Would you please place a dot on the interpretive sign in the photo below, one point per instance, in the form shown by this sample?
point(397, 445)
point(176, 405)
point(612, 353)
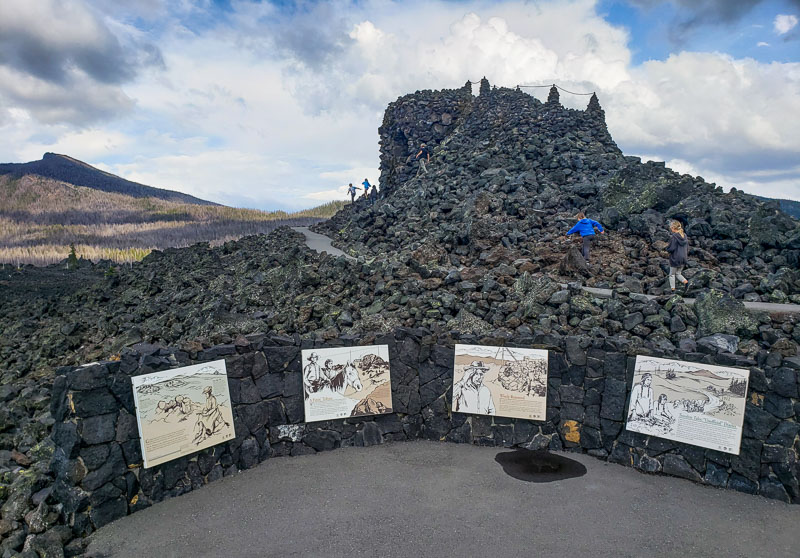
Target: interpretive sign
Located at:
point(500, 381)
point(689, 402)
point(346, 382)
point(182, 411)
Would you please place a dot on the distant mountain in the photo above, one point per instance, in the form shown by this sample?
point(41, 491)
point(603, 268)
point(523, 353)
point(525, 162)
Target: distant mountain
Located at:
point(706, 374)
point(69, 170)
point(792, 207)
point(41, 217)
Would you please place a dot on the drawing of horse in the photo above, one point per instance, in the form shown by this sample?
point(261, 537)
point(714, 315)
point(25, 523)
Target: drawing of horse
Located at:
point(343, 376)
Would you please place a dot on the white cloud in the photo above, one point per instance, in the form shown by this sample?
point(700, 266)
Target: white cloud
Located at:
point(762, 44)
point(235, 119)
point(339, 193)
point(226, 176)
point(85, 145)
point(65, 63)
point(784, 23)
point(82, 102)
point(724, 116)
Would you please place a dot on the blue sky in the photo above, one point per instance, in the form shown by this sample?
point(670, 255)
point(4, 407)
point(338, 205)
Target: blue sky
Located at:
point(277, 104)
point(664, 27)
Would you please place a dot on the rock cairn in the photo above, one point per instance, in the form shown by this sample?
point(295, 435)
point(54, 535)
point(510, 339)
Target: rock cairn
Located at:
point(509, 173)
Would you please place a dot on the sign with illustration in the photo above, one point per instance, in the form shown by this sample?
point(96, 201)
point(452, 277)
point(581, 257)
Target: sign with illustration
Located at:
point(500, 381)
point(182, 411)
point(346, 382)
point(689, 402)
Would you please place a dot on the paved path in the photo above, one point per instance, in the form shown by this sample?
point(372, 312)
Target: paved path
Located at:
point(438, 499)
point(320, 243)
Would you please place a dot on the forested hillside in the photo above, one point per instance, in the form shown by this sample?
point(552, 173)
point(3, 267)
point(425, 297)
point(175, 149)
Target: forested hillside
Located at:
point(69, 170)
point(40, 218)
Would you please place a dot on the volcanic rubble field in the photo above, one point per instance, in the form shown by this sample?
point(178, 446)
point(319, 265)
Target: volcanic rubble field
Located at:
point(476, 246)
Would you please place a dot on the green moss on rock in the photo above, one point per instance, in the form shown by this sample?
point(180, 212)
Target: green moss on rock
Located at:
point(719, 313)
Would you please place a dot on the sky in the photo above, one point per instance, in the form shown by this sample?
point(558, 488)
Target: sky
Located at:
point(276, 105)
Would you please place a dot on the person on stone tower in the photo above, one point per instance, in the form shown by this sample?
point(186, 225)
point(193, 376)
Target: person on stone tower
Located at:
point(586, 228)
point(424, 157)
point(352, 191)
point(367, 186)
point(678, 254)
point(373, 195)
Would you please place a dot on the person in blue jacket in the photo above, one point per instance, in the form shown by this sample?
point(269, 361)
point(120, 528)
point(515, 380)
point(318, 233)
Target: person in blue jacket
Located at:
point(586, 228)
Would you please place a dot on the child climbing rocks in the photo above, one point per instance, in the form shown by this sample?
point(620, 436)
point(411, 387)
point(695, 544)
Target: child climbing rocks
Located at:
point(586, 228)
point(678, 253)
point(424, 157)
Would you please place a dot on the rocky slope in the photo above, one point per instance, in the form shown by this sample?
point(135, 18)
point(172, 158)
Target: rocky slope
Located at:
point(508, 175)
point(475, 246)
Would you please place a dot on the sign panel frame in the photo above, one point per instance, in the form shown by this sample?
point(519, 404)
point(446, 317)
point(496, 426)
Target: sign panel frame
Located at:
point(346, 382)
point(500, 381)
point(689, 402)
point(182, 411)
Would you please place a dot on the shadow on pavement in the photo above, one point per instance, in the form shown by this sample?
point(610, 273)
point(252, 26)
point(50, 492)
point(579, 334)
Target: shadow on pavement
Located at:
point(539, 466)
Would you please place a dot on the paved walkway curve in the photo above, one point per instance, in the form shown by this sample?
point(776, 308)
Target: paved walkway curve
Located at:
point(441, 499)
point(322, 243)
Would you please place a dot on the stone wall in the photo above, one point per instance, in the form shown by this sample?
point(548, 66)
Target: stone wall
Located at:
point(98, 463)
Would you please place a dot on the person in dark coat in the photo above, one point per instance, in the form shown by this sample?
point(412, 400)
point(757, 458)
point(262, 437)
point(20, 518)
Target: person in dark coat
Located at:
point(424, 157)
point(678, 253)
point(586, 229)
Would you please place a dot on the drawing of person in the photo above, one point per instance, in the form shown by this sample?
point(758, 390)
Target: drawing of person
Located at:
point(209, 418)
point(312, 374)
point(661, 407)
point(469, 393)
point(328, 371)
point(642, 398)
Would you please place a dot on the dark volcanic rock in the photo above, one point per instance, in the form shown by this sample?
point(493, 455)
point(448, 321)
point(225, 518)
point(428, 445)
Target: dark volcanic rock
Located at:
point(718, 313)
point(470, 251)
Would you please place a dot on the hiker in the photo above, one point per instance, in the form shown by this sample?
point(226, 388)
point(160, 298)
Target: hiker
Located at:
point(352, 191)
point(424, 156)
point(373, 196)
point(586, 228)
point(367, 186)
point(678, 254)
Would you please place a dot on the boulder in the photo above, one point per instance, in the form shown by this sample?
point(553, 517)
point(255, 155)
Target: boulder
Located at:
point(720, 313)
